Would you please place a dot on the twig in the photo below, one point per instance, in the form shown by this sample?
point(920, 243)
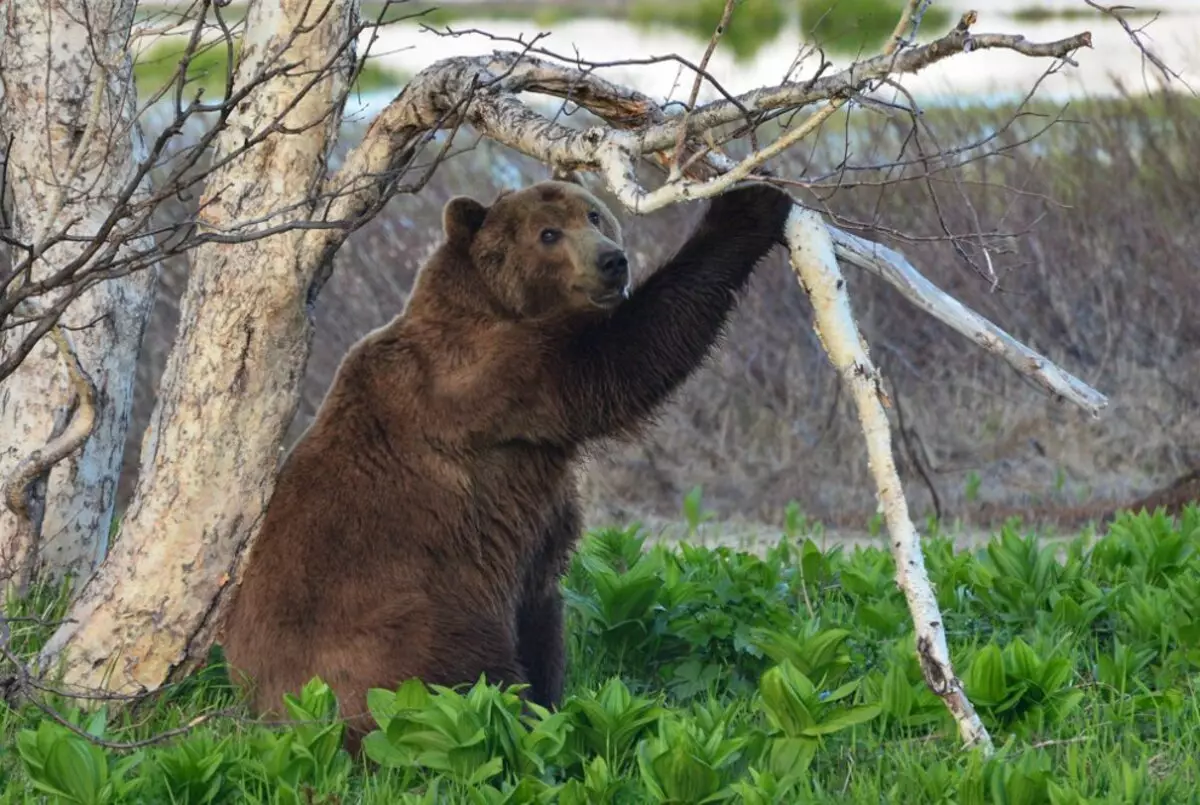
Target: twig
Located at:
point(708, 52)
point(916, 452)
point(1115, 13)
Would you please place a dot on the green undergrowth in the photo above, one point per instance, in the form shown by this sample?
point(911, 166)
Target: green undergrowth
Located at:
point(718, 676)
point(157, 68)
point(864, 25)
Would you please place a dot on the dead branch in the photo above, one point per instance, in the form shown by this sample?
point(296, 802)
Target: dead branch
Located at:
point(894, 268)
point(816, 268)
point(1134, 35)
point(726, 13)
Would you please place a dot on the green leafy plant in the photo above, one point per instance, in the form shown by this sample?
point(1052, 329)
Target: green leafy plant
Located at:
point(705, 674)
point(685, 762)
point(66, 767)
point(799, 714)
point(1019, 689)
point(472, 737)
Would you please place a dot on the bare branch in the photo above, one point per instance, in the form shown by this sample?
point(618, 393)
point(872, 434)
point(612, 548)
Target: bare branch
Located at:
point(852, 79)
point(893, 268)
point(726, 13)
point(1134, 36)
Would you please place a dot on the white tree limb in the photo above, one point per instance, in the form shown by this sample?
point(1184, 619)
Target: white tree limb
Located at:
point(850, 80)
point(812, 255)
point(892, 267)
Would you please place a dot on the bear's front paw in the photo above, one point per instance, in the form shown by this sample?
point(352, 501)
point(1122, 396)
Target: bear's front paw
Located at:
point(756, 206)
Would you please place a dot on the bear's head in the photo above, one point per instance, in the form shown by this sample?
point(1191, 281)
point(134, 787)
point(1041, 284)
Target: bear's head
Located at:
point(547, 249)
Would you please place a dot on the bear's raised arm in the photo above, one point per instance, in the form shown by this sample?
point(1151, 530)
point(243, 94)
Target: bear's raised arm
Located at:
point(618, 371)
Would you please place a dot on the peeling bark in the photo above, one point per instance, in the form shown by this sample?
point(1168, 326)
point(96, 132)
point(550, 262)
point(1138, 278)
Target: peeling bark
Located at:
point(231, 383)
point(69, 108)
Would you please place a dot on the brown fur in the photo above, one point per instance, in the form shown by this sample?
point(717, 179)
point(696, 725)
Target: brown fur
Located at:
point(422, 524)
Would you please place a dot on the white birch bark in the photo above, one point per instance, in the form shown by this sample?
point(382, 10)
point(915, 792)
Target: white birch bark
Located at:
point(68, 106)
point(815, 264)
point(231, 383)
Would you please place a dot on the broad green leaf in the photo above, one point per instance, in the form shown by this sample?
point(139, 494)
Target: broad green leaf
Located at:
point(70, 767)
point(986, 681)
point(845, 718)
point(791, 757)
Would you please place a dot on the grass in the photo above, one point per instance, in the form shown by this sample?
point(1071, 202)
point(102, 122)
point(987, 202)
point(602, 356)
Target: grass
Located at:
point(1045, 13)
point(711, 675)
point(851, 26)
point(208, 67)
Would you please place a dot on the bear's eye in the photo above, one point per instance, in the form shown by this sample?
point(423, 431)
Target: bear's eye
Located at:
point(594, 217)
point(550, 235)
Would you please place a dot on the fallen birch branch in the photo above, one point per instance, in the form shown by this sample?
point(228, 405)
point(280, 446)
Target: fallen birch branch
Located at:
point(894, 269)
point(811, 249)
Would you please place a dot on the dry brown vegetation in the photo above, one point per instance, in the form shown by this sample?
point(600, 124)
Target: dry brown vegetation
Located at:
point(1105, 284)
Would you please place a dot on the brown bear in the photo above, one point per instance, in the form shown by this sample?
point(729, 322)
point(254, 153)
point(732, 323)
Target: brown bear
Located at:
point(421, 525)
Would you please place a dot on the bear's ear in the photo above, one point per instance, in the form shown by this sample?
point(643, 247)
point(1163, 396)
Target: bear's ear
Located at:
point(562, 175)
point(462, 217)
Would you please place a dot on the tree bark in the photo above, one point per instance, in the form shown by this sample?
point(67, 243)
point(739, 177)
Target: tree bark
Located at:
point(68, 111)
point(231, 383)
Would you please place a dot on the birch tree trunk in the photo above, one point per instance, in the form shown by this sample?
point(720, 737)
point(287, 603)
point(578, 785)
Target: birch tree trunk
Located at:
point(231, 383)
point(68, 111)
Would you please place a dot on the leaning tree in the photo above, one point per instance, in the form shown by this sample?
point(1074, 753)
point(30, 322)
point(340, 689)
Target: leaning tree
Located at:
point(86, 226)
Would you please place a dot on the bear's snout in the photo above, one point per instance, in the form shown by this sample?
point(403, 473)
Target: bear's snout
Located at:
point(613, 267)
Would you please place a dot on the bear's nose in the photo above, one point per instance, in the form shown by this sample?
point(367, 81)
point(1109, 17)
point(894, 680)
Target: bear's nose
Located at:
point(613, 265)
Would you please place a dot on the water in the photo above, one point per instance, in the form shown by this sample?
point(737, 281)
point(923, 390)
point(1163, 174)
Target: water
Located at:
point(973, 77)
